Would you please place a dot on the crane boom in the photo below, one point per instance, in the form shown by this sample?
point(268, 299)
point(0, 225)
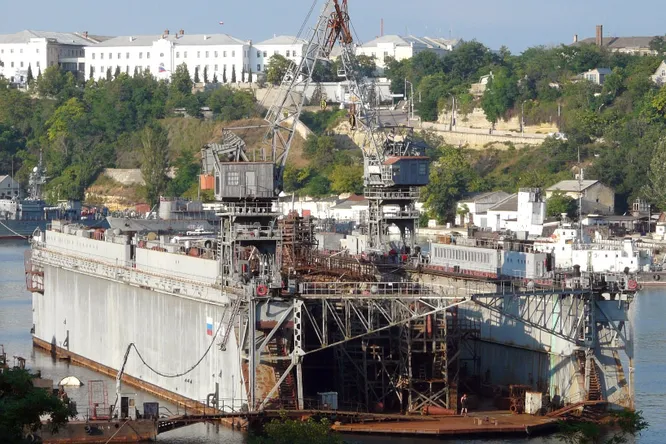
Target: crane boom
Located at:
point(283, 114)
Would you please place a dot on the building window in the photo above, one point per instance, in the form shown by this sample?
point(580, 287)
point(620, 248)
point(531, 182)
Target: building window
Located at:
point(177, 55)
point(258, 67)
point(233, 53)
point(140, 55)
point(127, 55)
point(12, 64)
point(101, 69)
point(293, 53)
point(184, 54)
point(21, 51)
point(288, 52)
point(93, 56)
point(37, 50)
point(101, 56)
point(265, 53)
point(198, 54)
point(21, 64)
point(422, 169)
point(215, 53)
point(233, 178)
point(215, 68)
point(206, 54)
point(120, 56)
point(37, 64)
point(147, 55)
point(224, 53)
point(110, 56)
point(258, 54)
point(276, 52)
point(11, 51)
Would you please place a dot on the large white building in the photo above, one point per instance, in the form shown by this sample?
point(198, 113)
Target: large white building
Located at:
point(218, 54)
point(289, 47)
point(38, 50)
point(404, 47)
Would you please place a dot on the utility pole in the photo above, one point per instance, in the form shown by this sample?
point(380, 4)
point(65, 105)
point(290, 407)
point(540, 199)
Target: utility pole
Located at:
point(522, 118)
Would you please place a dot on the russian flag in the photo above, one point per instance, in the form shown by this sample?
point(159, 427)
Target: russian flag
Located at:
point(209, 326)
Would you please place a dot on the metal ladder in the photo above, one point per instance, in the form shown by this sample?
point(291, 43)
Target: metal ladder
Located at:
point(230, 324)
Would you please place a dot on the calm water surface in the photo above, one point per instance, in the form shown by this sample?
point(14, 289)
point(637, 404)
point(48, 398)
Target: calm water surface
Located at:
point(649, 318)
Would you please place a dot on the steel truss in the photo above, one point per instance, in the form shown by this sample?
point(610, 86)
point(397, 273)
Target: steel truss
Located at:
point(385, 339)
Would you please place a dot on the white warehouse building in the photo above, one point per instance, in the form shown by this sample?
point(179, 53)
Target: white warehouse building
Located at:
point(160, 55)
point(404, 47)
point(39, 50)
point(290, 47)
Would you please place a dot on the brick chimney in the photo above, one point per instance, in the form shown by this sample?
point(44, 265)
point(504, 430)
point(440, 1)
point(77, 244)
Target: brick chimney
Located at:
point(600, 36)
point(85, 34)
point(575, 40)
point(181, 32)
point(166, 34)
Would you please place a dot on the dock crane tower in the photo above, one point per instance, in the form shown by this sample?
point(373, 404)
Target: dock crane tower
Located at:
point(395, 166)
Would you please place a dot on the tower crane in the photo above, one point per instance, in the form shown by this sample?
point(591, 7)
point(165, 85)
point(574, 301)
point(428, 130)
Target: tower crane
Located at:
point(395, 166)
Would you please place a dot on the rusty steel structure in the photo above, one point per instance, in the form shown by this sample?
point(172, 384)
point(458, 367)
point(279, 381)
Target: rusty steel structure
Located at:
point(263, 314)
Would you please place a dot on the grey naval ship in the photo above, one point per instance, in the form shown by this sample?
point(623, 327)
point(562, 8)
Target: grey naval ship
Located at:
point(253, 318)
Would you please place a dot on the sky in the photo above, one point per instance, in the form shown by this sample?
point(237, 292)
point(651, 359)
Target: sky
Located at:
point(518, 24)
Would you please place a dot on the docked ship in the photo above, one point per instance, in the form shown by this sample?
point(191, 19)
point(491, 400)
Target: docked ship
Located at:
point(252, 319)
point(19, 218)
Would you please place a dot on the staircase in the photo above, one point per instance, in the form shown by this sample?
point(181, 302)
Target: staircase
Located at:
point(287, 390)
point(594, 393)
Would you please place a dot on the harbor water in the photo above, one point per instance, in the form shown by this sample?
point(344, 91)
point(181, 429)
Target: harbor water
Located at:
point(16, 321)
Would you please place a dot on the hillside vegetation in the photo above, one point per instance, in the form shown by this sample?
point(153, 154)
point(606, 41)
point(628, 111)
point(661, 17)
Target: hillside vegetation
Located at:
point(619, 128)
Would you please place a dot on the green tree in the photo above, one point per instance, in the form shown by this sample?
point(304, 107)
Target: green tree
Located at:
point(321, 151)
point(559, 203)
point(52, 82)
point(233, 73)
point(116, 74)
point(347, 179)
point(196, 75)
point(655, 188)
point(224, 74)
point(187, 174)
point(67, 120)
point(622, 427)
point(658, 44)
point(154, 161)
point(22, 406)
point(181, 81)
point(289, 431)
point(367, 65)
point(205, 74)
point(228, 104)
point(433, 91)
point(249, 75)
point(500, 95)
point(29, 76)
point(109, 75)
point(215, 81)
point(277, 67)
point(451, 176)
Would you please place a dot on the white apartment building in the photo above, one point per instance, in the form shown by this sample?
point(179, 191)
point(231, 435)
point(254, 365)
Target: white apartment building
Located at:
point(404, 47)
point(160, 55)
point(289, 47)
point(38, 50)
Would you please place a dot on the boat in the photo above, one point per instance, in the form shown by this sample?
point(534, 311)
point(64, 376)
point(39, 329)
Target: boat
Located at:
point(20, 217)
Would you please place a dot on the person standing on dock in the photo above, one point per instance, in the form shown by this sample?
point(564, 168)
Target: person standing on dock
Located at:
point(463, 404)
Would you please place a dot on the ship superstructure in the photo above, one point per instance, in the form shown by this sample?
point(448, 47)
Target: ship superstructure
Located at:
point(252, 318)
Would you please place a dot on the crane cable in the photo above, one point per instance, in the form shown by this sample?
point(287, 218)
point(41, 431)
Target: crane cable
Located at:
point(177, 375)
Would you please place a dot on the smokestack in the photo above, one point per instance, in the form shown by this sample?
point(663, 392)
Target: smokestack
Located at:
point(181, 32)
point(85, 34)
point(575, 38)
point(600, 36)
point(381, 28)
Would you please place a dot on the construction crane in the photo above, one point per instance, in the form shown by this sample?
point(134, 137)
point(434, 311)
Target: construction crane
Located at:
point(395, 166)
point(249, 244)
